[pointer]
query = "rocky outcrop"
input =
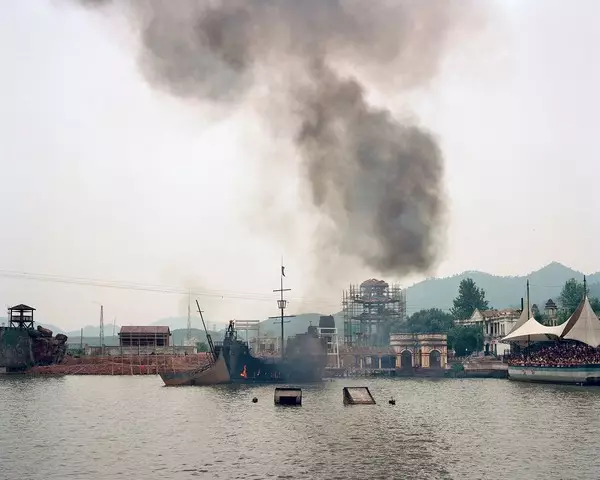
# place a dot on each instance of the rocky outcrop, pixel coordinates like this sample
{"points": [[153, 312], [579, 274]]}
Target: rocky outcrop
{"points": [[44, 332], [46, 349], [22, 348]]}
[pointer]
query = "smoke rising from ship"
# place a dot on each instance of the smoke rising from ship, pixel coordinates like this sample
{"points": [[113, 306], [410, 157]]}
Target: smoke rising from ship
{"points": [[379, 180]]}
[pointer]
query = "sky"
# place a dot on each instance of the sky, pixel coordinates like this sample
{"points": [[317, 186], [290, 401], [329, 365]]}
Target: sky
{"points": [[106, 178]]}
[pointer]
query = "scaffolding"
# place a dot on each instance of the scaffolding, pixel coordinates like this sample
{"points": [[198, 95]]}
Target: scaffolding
{"points": [[369, 310]]}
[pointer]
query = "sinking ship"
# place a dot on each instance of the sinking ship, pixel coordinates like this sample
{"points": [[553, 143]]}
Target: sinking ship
{"points": [[231, 361]]}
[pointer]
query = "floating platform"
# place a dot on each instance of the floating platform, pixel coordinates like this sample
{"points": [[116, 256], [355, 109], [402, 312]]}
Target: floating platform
{"points": [[288, 396], [358, 396]]}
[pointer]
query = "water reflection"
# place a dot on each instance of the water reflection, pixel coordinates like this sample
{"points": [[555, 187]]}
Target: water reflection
{"points": [[111, 427]]}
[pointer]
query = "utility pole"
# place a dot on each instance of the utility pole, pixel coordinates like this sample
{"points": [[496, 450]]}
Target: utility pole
{"points": [[282, 304], [528, 304], [189, 321], [102, 328]]}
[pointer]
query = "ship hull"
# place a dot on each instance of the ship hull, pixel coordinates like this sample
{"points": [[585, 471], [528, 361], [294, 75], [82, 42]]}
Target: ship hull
{"points": [[585, 374], [216, 374]]}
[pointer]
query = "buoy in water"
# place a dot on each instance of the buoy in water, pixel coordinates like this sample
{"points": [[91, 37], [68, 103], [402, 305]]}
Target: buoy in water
{"points": [[254, 400], [392, 401]]}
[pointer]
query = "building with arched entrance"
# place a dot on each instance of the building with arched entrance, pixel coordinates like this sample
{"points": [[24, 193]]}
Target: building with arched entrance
{"points": [[407, 354], [420, 350]]}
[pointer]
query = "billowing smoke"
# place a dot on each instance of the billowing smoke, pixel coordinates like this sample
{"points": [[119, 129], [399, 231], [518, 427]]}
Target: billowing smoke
{"points": [[379, 180]]}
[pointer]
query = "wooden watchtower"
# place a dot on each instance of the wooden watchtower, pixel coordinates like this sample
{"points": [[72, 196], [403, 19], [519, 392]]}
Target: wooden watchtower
{"points": [[21, 316]]}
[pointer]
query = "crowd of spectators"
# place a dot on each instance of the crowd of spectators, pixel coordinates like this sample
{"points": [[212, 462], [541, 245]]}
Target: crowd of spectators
{"points": [[560, 354]]}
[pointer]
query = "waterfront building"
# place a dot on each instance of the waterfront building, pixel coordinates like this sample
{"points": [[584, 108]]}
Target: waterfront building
{"points": [[421, 350], [407, 351], [551, 311], [494, 324], [144, 336]]}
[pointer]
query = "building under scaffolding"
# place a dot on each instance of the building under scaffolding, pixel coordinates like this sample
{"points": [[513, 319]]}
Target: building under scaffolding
{"points": [[369, 310]]}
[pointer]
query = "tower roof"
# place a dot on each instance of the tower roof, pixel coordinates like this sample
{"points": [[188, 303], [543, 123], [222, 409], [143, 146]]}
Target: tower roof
{"points": [[373, 282], [550, 304], [21, 306]]}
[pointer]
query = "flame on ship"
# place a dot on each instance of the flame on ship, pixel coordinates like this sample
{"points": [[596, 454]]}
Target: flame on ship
{"points": [[244, 374]]}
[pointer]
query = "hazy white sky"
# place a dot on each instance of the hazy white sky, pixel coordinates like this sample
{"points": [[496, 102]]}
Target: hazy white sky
{"points": [[104, 178]]}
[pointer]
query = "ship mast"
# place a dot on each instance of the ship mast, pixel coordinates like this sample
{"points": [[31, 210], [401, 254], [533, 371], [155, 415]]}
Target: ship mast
{"points": [[282, 304], [211, 345]]}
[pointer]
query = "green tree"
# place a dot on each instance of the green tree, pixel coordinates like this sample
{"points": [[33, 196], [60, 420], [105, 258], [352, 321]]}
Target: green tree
{"points": [[465, 339], [570, 297], [202, 347], [432, 320], [469, 298]]}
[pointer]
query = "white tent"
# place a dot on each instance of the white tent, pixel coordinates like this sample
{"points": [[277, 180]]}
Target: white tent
{"points": [[583, 325], [534, 331], [521, 321]]}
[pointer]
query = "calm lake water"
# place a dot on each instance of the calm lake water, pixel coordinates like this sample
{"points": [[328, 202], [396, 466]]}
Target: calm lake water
{"points": [[134, 428]]}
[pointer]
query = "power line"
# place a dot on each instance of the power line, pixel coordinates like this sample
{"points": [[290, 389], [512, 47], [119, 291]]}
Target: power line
{"points": [[170, 289], [167, 289]]}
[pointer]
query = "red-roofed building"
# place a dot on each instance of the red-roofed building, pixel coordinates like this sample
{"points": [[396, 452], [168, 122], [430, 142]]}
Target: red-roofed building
{"points": [[144, 336]]}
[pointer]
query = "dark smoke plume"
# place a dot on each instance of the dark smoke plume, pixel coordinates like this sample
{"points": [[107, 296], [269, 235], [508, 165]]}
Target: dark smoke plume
{"points": [[379, 180]]}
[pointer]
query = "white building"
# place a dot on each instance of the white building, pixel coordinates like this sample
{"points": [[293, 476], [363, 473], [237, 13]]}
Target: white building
{"points": [[495, 325]]}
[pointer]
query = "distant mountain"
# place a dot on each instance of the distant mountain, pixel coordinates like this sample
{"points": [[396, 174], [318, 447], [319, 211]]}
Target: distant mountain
{"points": [[94, 331], [270, 327], [298, 324], [501, 292], [54, 328], [177, 323]]}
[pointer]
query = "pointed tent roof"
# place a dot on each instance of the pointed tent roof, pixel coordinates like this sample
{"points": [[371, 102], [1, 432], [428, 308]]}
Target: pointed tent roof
{"points": [[522, 320], [583, 325], [534, 331]]}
